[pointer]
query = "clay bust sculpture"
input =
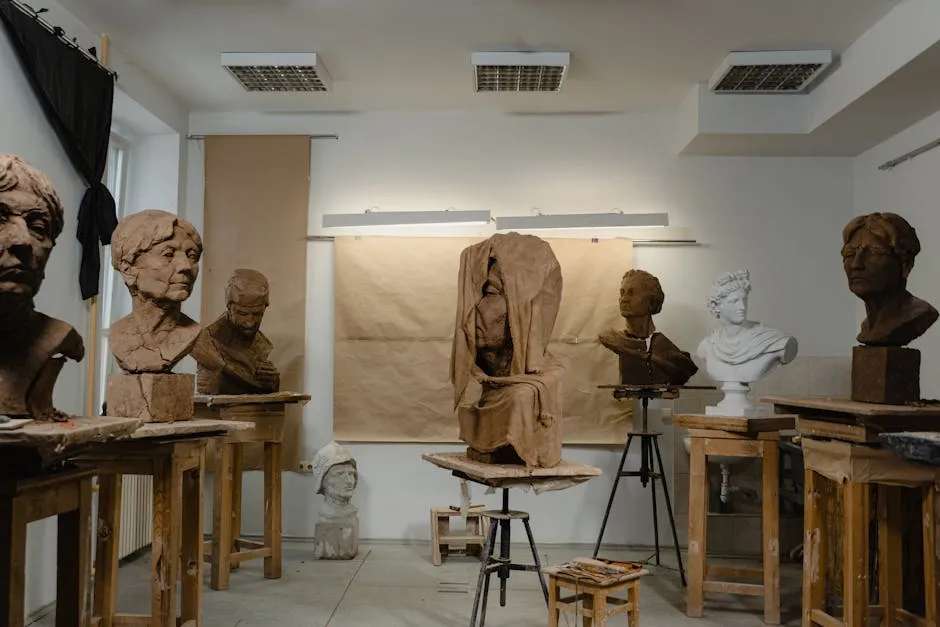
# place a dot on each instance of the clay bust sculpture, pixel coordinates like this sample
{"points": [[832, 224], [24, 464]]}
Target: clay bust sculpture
{"points": [[157, 254], [507, 386], [646, 356], [33, 347], [740, 351], [232, 352], [335, 477], [878, 254]]}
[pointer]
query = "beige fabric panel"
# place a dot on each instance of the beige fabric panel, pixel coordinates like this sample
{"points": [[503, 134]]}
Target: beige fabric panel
{"points": [[395, 300], [257, 195]]}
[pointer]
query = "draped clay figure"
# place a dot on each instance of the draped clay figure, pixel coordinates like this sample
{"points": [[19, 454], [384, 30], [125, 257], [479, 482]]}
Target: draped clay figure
{"points": [[232, 352], [157, 254], [740, 351], [33, 346], [646, 356], [335, 477], [507, 386], [878, 255]]}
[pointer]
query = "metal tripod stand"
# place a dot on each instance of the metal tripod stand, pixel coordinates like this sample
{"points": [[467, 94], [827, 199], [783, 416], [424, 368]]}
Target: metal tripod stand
{"points": [[648, 473]]}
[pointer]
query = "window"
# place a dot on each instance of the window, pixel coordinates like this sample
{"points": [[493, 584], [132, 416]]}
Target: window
{"points": [[115, 178]]}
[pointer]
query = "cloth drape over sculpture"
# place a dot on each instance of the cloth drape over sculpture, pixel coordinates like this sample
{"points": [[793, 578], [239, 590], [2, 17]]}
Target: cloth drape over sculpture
{"points": [[507, 386]]}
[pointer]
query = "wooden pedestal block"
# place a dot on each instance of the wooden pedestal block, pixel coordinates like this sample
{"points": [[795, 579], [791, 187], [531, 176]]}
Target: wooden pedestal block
{"points": [[151, 397], [336, 540], [885, 374]]}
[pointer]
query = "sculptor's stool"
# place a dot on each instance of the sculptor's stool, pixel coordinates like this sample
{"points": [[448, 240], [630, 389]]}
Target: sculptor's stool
{"points": [[855, 468], [67, 495], [595, 602], [735, 437], [443, 541]]}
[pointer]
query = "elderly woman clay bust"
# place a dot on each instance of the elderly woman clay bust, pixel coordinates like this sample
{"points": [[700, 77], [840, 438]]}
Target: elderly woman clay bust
{"points": [[157, 254], [646, 356], [740, 351], [878, 255], [33, 346]]}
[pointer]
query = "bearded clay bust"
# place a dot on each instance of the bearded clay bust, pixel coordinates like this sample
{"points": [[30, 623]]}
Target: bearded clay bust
{"points": [[157, 254], [232, 352], [646, 356], [878, 255], [33, 347]]}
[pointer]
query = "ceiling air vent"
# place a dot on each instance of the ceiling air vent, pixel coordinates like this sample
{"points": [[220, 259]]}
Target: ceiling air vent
{"points": [[277, 71], [519, 71], [770, 72]]}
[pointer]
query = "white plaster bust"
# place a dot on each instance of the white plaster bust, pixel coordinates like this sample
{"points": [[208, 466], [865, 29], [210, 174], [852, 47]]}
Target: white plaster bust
{"points": [[740, 351], [336, 478]]}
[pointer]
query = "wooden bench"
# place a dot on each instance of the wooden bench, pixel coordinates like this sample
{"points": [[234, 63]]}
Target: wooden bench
{"points": [[443, 542], [593, 599]]}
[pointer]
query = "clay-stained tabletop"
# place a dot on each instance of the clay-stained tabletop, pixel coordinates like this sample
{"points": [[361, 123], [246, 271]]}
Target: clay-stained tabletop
{"points": [[218, 400], [736, 424], [564, 475], [77, 431], [187, 428], [847, 406], [915, 447]]}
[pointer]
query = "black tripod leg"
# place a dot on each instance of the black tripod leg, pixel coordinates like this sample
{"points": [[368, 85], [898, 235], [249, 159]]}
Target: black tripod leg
{"points": [[672, 518], [504, 560], [613, 493], [483, 581], [535, 557], [648, 444]]}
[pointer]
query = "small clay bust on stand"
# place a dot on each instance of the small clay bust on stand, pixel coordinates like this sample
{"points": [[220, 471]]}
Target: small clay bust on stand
{"points": [[507, 386], [647, 357], [232, 352], [33, 347], [337, 532], [878, 254], [740, 351], [157, 254]]}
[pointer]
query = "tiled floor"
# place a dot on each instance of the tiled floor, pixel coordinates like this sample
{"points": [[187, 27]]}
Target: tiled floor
{"points": [[391, 585]]}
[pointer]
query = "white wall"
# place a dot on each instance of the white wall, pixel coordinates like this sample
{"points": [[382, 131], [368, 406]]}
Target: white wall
{"points": [[24, 131], [912, 189], [779, 217]]}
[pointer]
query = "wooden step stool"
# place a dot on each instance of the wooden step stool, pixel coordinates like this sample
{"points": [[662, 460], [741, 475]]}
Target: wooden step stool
{"points": [[442, 540], [67, 495], [593, 600]]}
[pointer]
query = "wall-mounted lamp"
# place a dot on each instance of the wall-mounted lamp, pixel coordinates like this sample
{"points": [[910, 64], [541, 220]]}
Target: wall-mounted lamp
{"points": [[395, 218], [582, 221]]}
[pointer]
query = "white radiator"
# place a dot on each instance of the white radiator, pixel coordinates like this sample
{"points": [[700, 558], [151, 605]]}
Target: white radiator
{"points": [[136, 514]]}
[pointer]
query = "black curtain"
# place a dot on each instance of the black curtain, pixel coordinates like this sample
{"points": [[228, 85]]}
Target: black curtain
{"points": [[77, 96]]}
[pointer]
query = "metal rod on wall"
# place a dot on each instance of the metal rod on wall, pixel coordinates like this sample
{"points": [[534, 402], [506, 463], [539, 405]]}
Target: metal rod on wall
{"points": [[332, 136], [888, 165], [643, 242]]}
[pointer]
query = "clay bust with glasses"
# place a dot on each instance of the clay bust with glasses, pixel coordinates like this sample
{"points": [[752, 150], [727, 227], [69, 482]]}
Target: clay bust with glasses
{"points": [[878, 255]]}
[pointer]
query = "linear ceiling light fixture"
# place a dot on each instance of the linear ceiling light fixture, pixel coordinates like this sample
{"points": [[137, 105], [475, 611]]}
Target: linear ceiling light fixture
{"points": [[519, 71], [769, 72], [582, 221], [372, 218], [278, 71]]}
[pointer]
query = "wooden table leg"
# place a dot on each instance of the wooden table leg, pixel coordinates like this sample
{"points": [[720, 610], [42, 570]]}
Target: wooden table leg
{"points": [[600, 609], [552, 602], [931, 517], [635, 600], [222, 517], [106, 548], [238, 458], [814, 547], [74, 528], [191, 587], [272, 509], [855, 555], [890, 550], [167, 493], [698, 523], [771, 531], [13, 560]]}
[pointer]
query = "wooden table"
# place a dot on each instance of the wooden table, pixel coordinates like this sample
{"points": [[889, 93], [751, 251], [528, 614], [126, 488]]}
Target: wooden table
{"points": [[264, 417], [173, 453], [736, 437], [505, 476], [839, 439]]}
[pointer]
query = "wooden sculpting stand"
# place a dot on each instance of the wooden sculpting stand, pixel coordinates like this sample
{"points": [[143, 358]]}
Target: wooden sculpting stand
{"points": [[471, 542], [593, 600], [173, 454], [263, 415], [504, 477], [736, 437], [836, 438]]}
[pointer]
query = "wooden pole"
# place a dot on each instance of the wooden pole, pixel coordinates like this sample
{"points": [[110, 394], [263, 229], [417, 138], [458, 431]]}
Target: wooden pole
{"points": [[93, 321]]}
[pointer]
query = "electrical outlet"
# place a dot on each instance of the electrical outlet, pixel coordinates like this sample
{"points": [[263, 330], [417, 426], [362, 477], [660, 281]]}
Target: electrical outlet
{"points": [[306, 467]]}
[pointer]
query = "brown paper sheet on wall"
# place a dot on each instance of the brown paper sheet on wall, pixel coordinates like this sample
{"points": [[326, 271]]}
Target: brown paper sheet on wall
{"points": [[257, 195], [395, 300]]}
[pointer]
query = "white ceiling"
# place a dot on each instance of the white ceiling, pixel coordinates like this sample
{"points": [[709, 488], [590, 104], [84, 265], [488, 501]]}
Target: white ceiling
{"points": [[627, 55]]}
